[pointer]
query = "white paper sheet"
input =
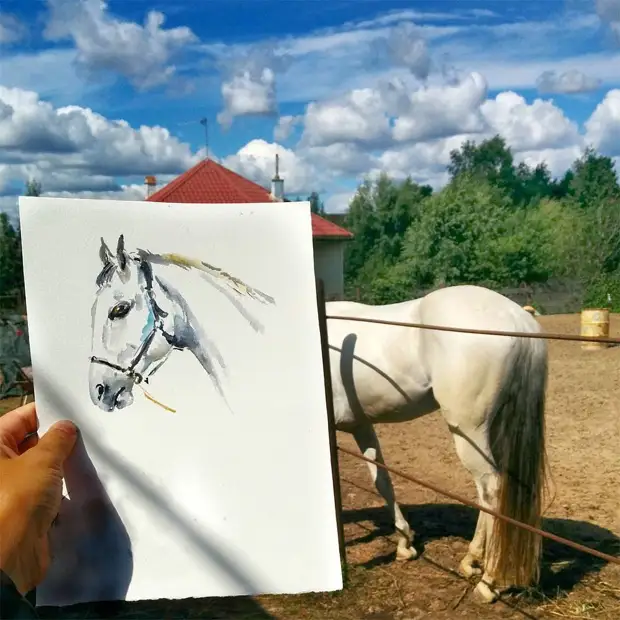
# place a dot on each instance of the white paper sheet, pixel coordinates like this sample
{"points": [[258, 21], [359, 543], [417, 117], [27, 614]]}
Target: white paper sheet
{"points": [[231, 493]]}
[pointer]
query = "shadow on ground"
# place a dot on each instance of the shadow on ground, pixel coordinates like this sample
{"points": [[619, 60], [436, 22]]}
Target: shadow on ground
{"points": [[214, 609], [562, 567]]}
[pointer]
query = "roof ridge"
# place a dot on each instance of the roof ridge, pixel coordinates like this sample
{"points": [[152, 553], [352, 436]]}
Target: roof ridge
{"points": [[167, 189]]}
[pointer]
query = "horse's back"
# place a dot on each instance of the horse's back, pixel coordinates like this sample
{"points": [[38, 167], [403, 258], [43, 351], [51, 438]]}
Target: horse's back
{"points": [[398, 372], [466, 369]]}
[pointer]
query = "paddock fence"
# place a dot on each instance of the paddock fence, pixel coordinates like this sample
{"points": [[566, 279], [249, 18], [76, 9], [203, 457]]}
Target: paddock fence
{"points": [[446, 493]]}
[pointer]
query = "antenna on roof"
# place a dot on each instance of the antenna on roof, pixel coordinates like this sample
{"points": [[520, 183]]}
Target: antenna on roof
{"points": [[204, 123]]}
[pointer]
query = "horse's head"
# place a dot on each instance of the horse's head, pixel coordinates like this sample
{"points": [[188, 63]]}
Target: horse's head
{"points": [[131, 327]]}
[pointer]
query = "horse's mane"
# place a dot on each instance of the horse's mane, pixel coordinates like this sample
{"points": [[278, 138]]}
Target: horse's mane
{"points": [[184, 262]]}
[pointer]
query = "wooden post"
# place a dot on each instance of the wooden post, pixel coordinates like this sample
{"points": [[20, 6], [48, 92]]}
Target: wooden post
{"points": [[331, 423]]}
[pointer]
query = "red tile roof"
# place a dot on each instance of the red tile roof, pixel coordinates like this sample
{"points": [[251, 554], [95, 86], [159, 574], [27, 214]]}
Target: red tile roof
{"points": [[210, 182]]}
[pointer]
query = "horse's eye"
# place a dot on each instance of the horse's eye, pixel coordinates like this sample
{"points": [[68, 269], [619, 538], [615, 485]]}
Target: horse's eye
{"points": [[120, 310]]}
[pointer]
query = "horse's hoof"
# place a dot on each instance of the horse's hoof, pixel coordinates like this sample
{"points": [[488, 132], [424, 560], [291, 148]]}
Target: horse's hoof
{"points": [[487, 594], [468, 568], [406, 553]]}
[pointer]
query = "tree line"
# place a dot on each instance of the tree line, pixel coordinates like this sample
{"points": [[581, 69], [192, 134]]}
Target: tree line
{"points": [[495, 223]]}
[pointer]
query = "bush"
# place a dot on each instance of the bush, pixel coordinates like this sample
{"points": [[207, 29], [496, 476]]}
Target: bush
{"points": [[603, 292]]}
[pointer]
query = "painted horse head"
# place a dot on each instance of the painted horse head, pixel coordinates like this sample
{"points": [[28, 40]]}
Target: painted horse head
{"points": [[135, 321], [138, 319]]}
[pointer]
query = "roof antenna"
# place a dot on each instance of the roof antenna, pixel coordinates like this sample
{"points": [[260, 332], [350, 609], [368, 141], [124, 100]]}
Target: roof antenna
{"points": [[204, 123]]}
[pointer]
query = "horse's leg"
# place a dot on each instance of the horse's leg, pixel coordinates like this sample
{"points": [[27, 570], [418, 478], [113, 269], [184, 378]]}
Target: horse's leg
{"points": [[474, 452], [368, 444], [473, 562]]}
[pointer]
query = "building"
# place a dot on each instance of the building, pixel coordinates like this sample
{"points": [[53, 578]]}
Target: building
{"points": [[210, 182]]}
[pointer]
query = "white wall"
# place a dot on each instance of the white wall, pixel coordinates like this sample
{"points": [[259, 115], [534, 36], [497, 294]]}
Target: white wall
{"points": [[329, 266]]}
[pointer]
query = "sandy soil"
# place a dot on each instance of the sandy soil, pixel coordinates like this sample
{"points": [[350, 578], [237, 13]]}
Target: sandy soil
{"points": [[583, 425]]}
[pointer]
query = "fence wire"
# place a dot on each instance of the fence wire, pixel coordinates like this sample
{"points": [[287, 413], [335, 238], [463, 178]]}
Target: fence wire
{"points": [[488, 332], [498, 515]]}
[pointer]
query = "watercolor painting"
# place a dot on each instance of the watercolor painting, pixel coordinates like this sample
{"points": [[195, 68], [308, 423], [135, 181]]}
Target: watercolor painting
{"points": [[139, 318], [184, 341]]}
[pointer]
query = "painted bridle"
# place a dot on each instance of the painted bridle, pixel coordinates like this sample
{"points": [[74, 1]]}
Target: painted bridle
{"points": [[158, 327]]}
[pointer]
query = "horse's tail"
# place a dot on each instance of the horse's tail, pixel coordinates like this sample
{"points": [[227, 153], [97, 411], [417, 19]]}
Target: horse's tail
{"points": [[517, 442]]}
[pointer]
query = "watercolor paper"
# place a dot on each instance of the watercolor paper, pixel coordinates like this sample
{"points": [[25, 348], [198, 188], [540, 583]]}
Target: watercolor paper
{"points": [[183, 339]]}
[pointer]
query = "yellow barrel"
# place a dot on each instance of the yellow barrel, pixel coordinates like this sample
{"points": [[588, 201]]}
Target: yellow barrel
{"points": [[595, 322]]}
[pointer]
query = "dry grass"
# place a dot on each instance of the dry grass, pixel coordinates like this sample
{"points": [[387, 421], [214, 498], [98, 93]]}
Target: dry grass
{"points": [[583, 422]]}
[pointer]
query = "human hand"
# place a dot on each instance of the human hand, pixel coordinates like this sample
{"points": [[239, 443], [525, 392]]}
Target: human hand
{"points": [[31, 470]]}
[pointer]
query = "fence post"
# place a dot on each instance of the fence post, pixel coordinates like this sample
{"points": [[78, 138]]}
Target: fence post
{"points": [[331, 423]]}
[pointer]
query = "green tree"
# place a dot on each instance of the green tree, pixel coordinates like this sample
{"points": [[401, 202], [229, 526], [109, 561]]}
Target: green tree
{"points": [[316, 205], [33, 188], [594, 181], [11, 274], [469, 233]]}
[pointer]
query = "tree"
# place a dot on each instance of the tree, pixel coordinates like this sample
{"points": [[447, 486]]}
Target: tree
{"points": [[316, 205], [33, 188], [491, 160], [594, 180], [11, 274]]}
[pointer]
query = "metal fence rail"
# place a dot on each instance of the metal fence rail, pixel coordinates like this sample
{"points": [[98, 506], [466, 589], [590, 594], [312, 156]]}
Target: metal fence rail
{"points": [[488, 332]]}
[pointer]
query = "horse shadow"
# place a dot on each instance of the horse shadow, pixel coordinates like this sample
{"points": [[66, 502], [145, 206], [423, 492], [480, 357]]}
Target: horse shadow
{"points": [[562, 567]]}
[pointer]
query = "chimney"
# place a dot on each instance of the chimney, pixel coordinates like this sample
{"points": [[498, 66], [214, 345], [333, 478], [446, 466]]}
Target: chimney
{"points": [[277, 184], [151, 184]]}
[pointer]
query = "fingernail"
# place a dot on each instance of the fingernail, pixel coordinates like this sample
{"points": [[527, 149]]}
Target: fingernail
{"points": [[67, 427]]}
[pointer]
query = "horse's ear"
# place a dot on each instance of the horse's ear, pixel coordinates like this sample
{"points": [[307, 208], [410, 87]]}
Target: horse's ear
{"points": [[104, 253], [121, 255]]}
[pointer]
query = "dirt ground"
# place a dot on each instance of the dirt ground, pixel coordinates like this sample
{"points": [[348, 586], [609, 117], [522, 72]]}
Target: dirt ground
{"points": [[583, 427]]}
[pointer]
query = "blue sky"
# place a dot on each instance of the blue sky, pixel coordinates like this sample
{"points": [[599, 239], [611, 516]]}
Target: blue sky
{"points": [[95, 95]]}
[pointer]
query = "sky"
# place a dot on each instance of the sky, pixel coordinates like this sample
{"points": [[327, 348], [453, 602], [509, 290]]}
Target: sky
{"points": [[95, 95]]}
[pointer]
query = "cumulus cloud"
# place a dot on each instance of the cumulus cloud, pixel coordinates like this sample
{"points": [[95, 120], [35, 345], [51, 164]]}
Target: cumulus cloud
{"points": [[74, 151], [256, 161], [249, 83], [141, 53], [567, 82], [12, 29], [440, 111], [78, 138], [340, 158], [603, 126], [360, 117], [525, 127]]}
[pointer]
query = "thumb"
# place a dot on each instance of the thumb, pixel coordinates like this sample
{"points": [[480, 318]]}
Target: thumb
{"points": [[57, 444]]}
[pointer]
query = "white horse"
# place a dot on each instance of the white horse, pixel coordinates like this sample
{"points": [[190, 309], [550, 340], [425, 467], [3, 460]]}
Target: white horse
{"points": [[139, 318], [491, 392]]}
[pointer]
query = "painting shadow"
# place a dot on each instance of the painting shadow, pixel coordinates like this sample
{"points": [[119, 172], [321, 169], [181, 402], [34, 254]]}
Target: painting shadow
{"points": [[48, 594], [89, 544], [562, 567]]}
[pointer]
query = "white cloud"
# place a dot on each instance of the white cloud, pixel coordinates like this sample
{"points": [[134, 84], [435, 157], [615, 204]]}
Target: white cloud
{"points": [[527, 127], [12, 29], [339, 202], [256, 161], [340, 158], [249, 81], [77, 138], [141, 53], [603, 126], [248, 94], [359, 117], [568, 82], [285, 126], [436, 112]]}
